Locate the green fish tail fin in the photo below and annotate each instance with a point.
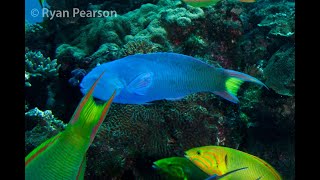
(233, 82)
(90, 113)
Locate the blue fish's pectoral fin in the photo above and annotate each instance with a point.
(227, 95)
(141, 84)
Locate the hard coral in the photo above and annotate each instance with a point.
(135, 133)
(40, 126)
(138, 46)
(280, 71)
(279, 19)
(36, 65)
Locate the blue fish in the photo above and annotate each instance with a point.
(143, 78)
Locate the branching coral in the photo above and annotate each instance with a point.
(40, 126)
(41, 69)
(36, 65)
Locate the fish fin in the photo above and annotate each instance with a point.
(90, 114)
(233, 82)
(274, 172)
(41, 148)
(212, 177)
(84, 101)
(227, 95)
(259, 178)
(82, 169)
(230, 172)
(216, 177)
(104, 110)
(141, 84)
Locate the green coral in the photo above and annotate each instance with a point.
(279, 19)
(281, 24)
(181, 16)
(150, 22)
(66, 52)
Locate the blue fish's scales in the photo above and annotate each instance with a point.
(143, 78)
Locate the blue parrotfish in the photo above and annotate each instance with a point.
(143, 78)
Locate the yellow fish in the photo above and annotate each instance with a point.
(220, 160)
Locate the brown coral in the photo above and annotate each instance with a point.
(138, 46)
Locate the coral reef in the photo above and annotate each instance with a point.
(274, 116)
(138, 46)
(280, 20)
(255, 38)
(36, 65)
(40, 126)
(38, 70)
(77, 76)
(132, 134)
(280, 71)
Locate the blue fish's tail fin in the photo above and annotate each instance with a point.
(233, 81)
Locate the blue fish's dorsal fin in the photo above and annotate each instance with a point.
(141, 84)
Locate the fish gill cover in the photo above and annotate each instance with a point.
(254, 38)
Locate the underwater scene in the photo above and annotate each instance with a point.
(160, 89)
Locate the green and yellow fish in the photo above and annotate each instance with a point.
(179, 168)
(217, 160)
(64, 155)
